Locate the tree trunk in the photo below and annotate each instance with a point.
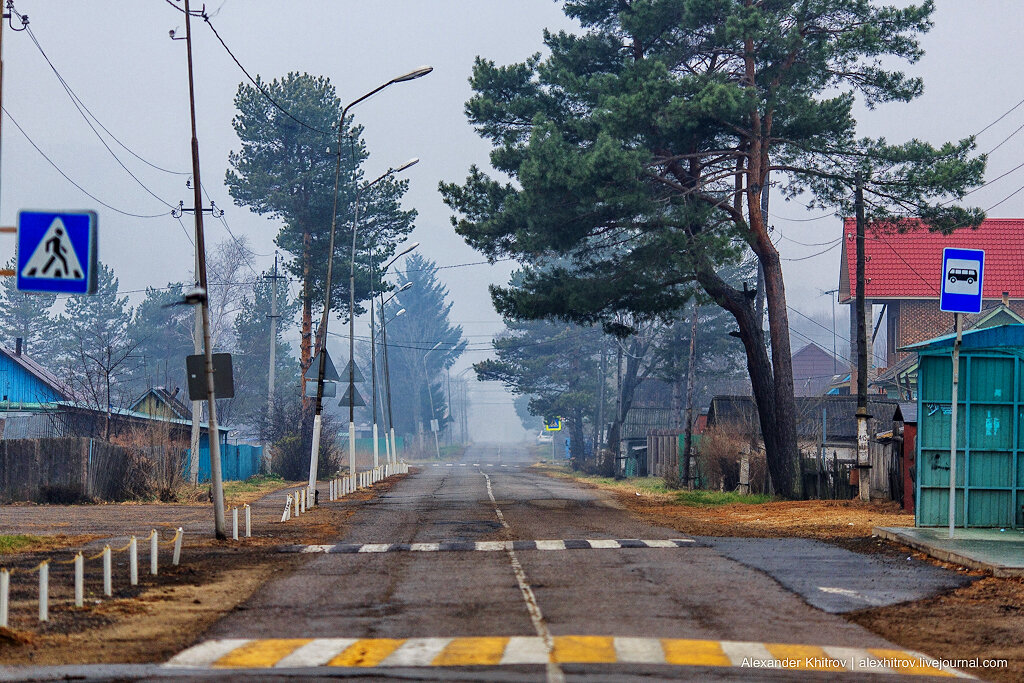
(780, 453)
(627, 386)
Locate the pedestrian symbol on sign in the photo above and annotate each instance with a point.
(55, 256)
(57, 252)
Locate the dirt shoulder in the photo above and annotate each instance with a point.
(163, 614)
(983, 621)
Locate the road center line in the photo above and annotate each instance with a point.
(554, 670)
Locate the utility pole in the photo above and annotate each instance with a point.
(599, 433)
(863, 461)
(215, 474)
(273, 336)
(692, 363)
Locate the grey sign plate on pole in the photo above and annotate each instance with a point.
(330, 389)
(330, 372)
(358, 399)
(223, 378)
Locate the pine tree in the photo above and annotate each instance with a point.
(640, 149)
(25, 315)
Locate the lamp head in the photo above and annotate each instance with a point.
(404, 287)
(400, 312)
(408, 249)
(412, 75)
(407, 164)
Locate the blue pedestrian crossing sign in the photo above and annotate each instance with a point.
(962, 273)
(553, 425)
(57, 252)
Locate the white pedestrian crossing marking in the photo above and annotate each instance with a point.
(546, 545)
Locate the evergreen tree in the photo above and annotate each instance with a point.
(252, 356)
(286, 169)
(162, 333)
(421, 344)
(25, 315)
(641, 147)
(96, 351)
(557, 365)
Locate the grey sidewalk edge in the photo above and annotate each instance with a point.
(946, 555)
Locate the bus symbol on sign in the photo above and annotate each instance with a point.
(967, 275)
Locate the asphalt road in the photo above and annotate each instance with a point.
(440, 594)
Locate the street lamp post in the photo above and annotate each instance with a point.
(322, 331)
(373, 352)
(373, 336)
(392, 451)
(430, 393)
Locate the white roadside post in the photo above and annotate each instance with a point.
(5, 596)
(248, 521)
(962, 290)
(133, 561)
(44, 590)
(108, 580)
(234, 524)
(79, 580)
(154, 550)
(177, 547)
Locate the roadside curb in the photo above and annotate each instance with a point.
(998, 570)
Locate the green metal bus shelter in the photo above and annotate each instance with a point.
(990, 429)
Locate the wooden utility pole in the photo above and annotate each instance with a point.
(863, 461)
(211, 399)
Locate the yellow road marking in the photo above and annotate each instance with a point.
(260, 654)
(472, 652)
(804, 657)
(584, 649)
(903, 663)
(694, 652)
(367, 652)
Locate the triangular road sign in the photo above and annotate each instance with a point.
(358, 375)
(330, 372)
(358, 399)
(54, 257)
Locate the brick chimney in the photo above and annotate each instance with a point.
(17, 346)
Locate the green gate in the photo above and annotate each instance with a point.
(990, 437)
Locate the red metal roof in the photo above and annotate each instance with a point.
(908, 265)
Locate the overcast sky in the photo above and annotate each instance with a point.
(118, 58)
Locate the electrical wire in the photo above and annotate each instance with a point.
(257, 84)
(68, 178)
(824, 251)
(82, 111)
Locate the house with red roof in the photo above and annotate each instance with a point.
(903, 275)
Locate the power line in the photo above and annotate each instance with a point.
(255, 82)
(68, 178)
(824, 251)
(82, 111)
(78, 102)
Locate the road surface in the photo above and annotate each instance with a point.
(486, 569)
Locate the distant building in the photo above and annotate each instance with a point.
(815, 370)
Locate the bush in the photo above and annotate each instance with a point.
(718, 459)
(291, 440)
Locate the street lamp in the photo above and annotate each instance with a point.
(322, 332)
(430, 393)
(373, 351)
(373, 327)
(392, 452)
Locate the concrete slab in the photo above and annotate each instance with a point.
(995, 550)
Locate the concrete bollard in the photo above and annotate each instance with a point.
(133, 561)
(287, 514)
(79, 580)
(177, 547)
(5, 595)
(248, 521)
(234, 524)
(154, 552)
(44, 590)
(108, 580)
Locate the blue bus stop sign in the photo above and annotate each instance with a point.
(57, 252)
(962, 273)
